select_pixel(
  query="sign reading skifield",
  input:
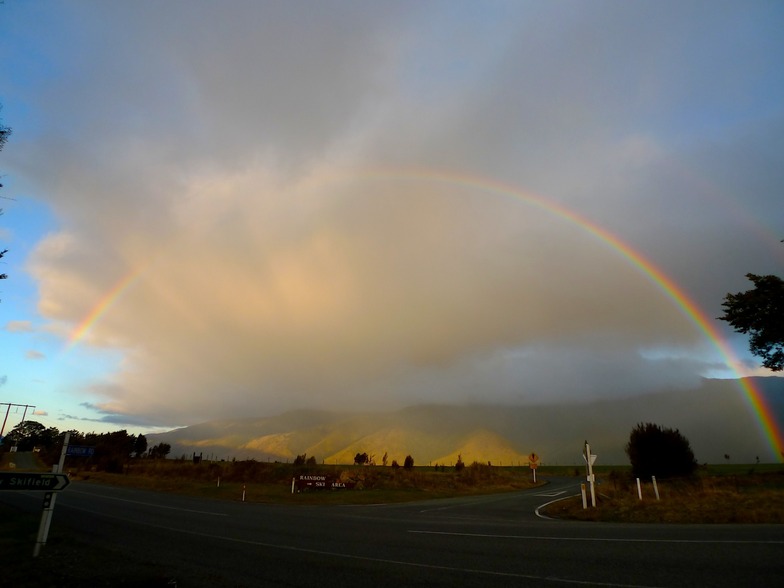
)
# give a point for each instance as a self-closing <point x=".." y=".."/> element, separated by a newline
<point x="33" y="481"/>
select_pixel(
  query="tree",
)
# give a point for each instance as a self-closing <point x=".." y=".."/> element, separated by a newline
<point x="759" y="312"/>
<point x="408" y="463"/>
<point x="361" y="458"/>
<point x="29" y="434"/>
<point x="160" y="451"/>
<point x="5" y="132"/>
<point x="460" y="465"/>
<point x="660" y="452"/>
<point x="140" y="445"/>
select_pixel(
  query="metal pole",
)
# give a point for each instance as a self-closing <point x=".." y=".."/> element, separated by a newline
<point x="24" y="413"/>
<point x="5" y="419"/>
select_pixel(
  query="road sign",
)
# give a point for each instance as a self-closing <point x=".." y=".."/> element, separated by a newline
<point x="80" y="451"/>
<point x="533" y="458"/>
<point x="33" y="481"/>
<point x="593" y="458"/>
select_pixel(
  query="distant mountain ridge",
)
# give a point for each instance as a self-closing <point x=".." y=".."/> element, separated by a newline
<point x="717" y="419"/>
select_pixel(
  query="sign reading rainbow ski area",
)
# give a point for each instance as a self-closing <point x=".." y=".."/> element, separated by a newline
<point x="319" y="482"/>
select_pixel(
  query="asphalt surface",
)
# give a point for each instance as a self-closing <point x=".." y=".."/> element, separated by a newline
<point x="477" y="541"/>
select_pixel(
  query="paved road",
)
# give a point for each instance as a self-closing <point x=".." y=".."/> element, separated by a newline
<point x="479" y="541"/>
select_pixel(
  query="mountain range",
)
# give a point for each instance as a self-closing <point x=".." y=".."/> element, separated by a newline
<point x="717" y="418"/>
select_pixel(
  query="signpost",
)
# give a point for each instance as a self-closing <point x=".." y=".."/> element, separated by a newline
<point x="590" y="458"/>
<point x="533" y="463"/>
<point x="49" y="500"/>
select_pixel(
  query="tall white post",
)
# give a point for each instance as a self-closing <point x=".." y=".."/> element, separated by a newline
<point x="49" y="500"/>
<point x="655" y="487"/>
<point x="590" y="473"/>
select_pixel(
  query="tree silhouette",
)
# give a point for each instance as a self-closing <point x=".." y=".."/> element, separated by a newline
<point x="660" y="452"/>
<point x="460" y="465"/>
<point x="5" y="132"/>
<point x="759" y="313"/>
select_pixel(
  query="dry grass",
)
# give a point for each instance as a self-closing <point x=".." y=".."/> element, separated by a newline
<point x="271" y="482"/>
<point x="747" y="498"/>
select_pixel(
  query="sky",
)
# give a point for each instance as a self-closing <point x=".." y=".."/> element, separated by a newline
<point x="234" y="209"/>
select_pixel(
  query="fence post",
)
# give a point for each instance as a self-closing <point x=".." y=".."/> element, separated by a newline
<point x="639" y="489"/>
<point x="655" y="487"/>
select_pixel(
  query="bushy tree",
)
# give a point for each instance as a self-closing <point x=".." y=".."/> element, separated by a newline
<point x="408" y="463"/>
<point x="29" y="434"/>
<point x="361" y="458"/>
<point x="159" y="451"/>
<point x="300" y="460"/>
<point x="759" y="313"/>
<point x="660" y="452"/>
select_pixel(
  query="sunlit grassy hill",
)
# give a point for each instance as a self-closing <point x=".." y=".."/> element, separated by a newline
<point x="717" y="418"/>
<point x="485" y="446"/>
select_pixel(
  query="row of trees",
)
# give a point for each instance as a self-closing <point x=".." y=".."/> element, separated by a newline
<point x="365" y="459"/>
<point x="112" y="451"/>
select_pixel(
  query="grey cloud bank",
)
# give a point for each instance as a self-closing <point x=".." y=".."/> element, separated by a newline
<point x="214" y="161"/>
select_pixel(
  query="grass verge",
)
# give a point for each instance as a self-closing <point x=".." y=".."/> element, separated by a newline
<point x="749" y="498"/>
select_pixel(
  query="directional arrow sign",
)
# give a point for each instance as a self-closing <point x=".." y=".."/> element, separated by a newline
<point x="33" y="481"/>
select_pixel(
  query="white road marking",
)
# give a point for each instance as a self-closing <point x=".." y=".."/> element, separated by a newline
<point x="551" y="494"/>
<point x="214" y="514"/>
<point x="542" y="579"/>
<point x="601" y="539"/>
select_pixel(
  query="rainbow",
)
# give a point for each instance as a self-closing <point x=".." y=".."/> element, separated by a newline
<point x="108" y="299"/>
<point x="759" y="406"/>
<point x="754" y="397"/>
